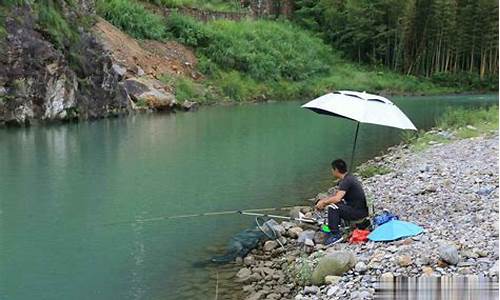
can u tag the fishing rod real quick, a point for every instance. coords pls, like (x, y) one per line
(246, 212)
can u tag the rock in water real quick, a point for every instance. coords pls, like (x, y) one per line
(449, 254)
(243, 273)
(335, 263)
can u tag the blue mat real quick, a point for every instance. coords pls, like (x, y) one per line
(394, 230)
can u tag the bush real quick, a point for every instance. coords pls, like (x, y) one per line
(264, 50)
(188, 31)
(367, 171)
(466, 81)
(133, 18)
(214, 5)
(461, 117)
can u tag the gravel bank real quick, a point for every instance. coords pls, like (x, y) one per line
(451, 190)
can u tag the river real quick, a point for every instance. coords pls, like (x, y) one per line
(61, 184)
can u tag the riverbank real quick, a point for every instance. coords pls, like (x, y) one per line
(447, 185)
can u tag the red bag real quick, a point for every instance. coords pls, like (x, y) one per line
(359, 236)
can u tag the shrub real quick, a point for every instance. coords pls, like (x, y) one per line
(133, 18)
(367, 171)
(188, 31)
(461, 117)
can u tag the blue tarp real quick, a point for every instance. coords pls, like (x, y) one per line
(394, 230)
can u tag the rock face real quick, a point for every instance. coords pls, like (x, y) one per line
(335, 263)
(42, 80)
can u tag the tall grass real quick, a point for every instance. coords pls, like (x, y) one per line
(213, 5)
(132, 18)
(52, 22)
(461, 117)
(460, 122)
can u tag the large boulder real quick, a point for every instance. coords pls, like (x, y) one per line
(150, 93)
(335, 263)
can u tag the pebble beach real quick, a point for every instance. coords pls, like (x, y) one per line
(449, 189)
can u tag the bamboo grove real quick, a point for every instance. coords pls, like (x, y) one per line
(418, 37)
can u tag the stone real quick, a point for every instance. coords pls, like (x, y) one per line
(145, 91)
(332, 291)
(249, 260)
(494, 270)
(243, 272)
(119, 69)
(189, 105)
(364, 295)
(294, 232)
(304, 235)
(361, 267)
(331, 279)
(308, 290)
(334, 263)
(427, 271)
(255, 296)
(309, 242)
(388, 276)
(449, 254)
(269, 246)
(287, 225)
(405, 260)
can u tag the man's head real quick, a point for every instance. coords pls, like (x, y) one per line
(339, 168)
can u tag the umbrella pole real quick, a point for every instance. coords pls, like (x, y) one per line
(354, 146)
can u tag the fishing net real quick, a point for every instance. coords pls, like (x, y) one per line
(243, 242)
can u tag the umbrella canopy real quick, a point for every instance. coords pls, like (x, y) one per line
(361, 107)
(394, 230)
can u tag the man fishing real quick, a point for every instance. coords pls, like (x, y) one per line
(348, 203)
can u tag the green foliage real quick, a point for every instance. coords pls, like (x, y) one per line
(53, 23)
(456, 118)
(460, 122)
(413, 37)
(370, 170)
(188, 89)
(189, 31)
(466, 80)
(265, 50)
(213, 5)
(133, 18)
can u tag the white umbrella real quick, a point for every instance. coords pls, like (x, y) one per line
(362, 108)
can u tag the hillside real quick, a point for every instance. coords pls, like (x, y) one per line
(72, 60)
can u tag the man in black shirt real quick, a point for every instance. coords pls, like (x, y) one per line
(348, 203)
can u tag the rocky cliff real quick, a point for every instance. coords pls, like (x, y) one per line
(59, 73)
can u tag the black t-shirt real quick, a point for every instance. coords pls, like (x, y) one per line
(354, 194)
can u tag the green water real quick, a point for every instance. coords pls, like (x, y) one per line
(60, 184)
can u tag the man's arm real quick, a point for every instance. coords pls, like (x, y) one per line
(330, 200)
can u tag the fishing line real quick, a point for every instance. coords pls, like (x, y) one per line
(248, 212)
